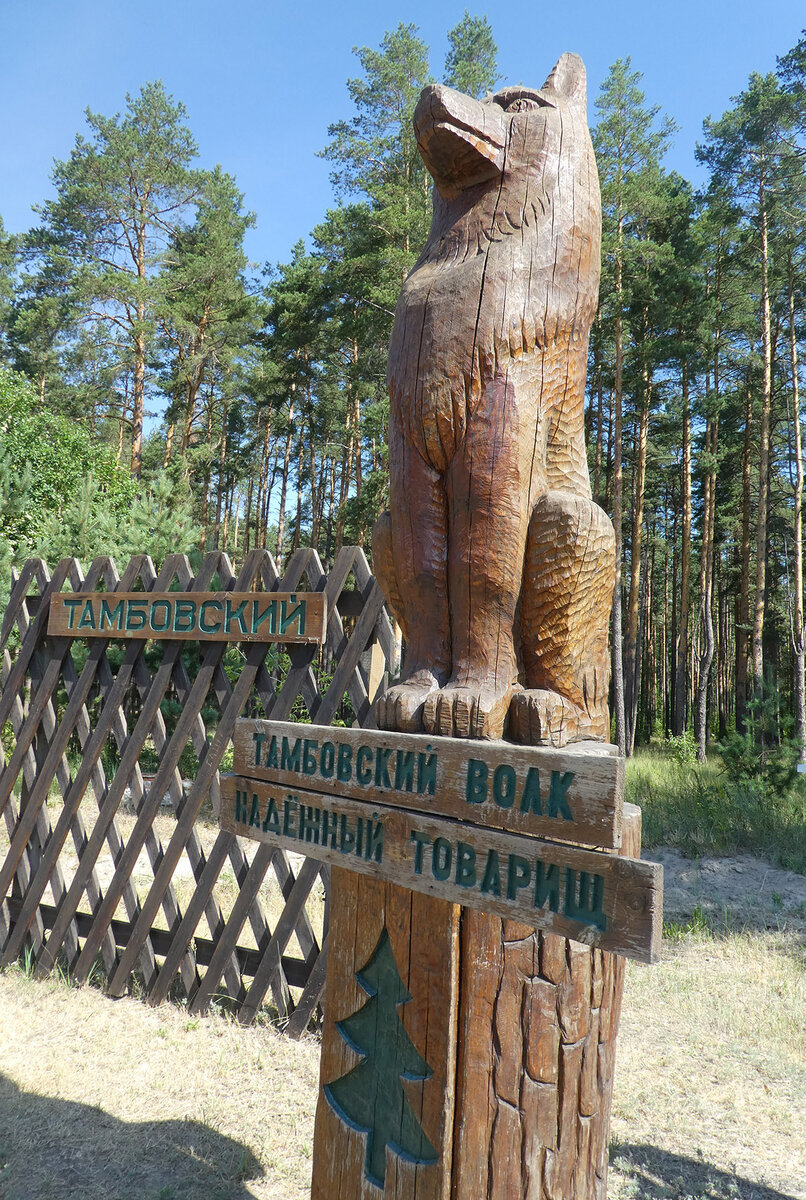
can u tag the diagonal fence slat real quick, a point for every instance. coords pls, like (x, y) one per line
(65, 804)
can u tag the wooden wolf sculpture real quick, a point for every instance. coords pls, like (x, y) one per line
(496, 562)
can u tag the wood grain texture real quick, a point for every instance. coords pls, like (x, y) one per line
(191, 616)
(487, 452)
(537, 1036)
(599, 899)
(494, 784)
(424, 934)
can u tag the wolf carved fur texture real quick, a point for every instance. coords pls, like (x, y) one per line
(494, 558)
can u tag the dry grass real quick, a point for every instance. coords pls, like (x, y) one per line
(711, 1079)
(103, 1100)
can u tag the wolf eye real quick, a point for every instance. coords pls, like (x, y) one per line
(521, 104)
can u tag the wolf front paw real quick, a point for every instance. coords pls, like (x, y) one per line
(538, 717)
(400, 708)
(467, 711)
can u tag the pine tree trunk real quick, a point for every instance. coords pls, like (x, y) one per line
(617, 660)
(743, 602)
(797, 614)
(631, 657)
(681, 653)
(763, 467)
(284, 487)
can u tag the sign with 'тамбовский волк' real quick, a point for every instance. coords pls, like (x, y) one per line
(197, 616)
(490, 825)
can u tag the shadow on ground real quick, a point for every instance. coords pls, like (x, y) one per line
(52, 1148)
(656, 1174)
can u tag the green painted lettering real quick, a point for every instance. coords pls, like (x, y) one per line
(184, 616)
(254, 812)
(491, 880)
(465, 865)
(153, 623)
(290, 807)
(363, 759)
(476, 789)
(271, 758)
(269, 613)
(420, 839)
(530, 800)
(344, 763)
(296, 614)
(309, 818)
(87, 620)
(504, 785)
(209, 626)
(426, 774)
(241, 813)
(271, 821)
(327, 759)
(290, 759)
(346, 835)
(584, 898)
(258, 738)
(381, 774)
(441, 858)
(111, 618)
(404, 770)
(547, 886)
(72, 604)
(310, 747)
(558, 804)
(135, 615)
(234, 614)
(374, 840)
(330, 827)
(519, 873)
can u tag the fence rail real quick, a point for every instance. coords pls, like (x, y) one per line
(107, 871)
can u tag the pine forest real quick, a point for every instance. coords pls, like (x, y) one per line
(159, 392)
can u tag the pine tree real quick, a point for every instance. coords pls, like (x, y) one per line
(120, 198)
(370, 1098)
(471, 64)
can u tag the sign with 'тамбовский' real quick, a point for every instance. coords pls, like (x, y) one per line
(491, 825)
(197, 616)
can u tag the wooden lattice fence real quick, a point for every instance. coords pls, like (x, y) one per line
(127, 876)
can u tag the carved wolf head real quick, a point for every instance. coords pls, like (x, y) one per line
(512, 259)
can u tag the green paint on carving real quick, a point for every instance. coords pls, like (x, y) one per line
(370, 1098)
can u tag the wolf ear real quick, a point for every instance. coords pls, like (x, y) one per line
(568, 79)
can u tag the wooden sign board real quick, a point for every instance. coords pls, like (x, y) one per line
(595, 898)
(573, 795)
(196, 616)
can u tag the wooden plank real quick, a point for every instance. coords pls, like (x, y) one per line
(574, 794)
(363, 911)
(272, 955)
(297, 972)
(232, 930)
(537, 1024)
(208, 769)
(197, 616)
(595, 898)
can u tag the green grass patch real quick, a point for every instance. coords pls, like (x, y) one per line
(699, 810)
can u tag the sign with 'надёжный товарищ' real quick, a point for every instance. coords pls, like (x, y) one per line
(486, 824)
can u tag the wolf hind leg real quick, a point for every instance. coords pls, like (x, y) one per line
(569, 572)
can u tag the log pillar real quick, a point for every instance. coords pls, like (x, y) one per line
(519, 1028)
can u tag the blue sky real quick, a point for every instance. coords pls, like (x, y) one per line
(262, 80)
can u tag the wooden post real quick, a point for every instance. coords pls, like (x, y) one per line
(470, 1057)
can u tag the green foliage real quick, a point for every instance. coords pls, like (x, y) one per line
(471, 64)
(701, 810)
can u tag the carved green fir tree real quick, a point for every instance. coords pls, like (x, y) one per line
(370, 1098)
